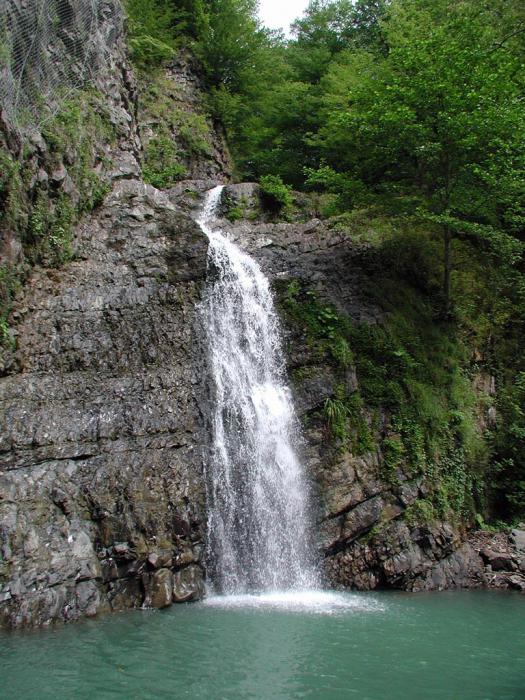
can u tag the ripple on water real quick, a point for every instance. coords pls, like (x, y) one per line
(304, 602)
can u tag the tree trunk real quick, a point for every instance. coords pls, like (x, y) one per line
(447, 239)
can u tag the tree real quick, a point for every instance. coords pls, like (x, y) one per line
(232, 41)
(331, 26)
(158, 27)
(439, 119)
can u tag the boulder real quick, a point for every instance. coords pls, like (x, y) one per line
(160, 559)
(188, 585)
(498, 561)
(159, 589)
(517, 582)
(243, 199)
(517, 537)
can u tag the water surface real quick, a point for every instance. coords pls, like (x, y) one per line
(442, 646)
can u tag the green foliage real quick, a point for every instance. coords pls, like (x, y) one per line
(229, 48)
(193, 131)
(49, 234)
(336, 24)
(9, 286)
(82, 122)
(150, 28)
(337, 418)
(438, 119)
(421, 511)
(345, 417)
(147, 50)
(412, 436)
(157, 29)
(276, 196)
(42, 215)
(361, 434)
(178, 135)
(270, 101)
(13, 212)
(233, 214)
(369, 536)
(80, 129)
(5, 336)
(413, 105)
(509, 444)
(340, 351)
(393, 457)
(497, 526)
(236, 209)
(411, 366)
(161, 167)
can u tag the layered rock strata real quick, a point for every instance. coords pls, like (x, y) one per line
(101, 495)
(102, 405)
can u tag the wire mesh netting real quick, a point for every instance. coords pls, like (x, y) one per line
(47, 49)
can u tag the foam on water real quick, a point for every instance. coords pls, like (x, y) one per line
(314, 602)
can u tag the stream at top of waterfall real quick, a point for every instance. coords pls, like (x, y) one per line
(384, 646)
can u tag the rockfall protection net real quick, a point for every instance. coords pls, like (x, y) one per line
(47, 49)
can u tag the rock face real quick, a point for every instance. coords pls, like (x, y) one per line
(51, 48)
(189, 96)
(102, 404)
(370, 532)
(102, 435)
(502, 556)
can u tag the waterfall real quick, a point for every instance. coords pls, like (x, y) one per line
(258, 502)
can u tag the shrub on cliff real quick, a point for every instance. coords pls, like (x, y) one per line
(275, 195)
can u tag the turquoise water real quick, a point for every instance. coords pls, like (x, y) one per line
(447, 646)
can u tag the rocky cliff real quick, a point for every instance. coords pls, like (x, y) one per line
(374, 529)
(102, 408)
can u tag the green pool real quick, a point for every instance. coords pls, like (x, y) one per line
(447, 646)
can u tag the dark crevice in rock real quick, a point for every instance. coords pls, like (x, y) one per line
(349, 508)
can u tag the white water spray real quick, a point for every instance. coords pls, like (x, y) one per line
(258, 503)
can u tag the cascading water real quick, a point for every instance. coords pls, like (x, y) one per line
(258, 505)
